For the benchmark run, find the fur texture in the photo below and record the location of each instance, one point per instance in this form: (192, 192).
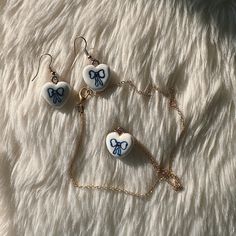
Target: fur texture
(185, 44)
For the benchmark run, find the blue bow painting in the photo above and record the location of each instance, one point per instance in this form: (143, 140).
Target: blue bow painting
(56, 94)
(97, 76)
(118, 146)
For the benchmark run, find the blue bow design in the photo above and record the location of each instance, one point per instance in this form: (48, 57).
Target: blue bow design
(56, 95)
(118, 146)
(97, 76)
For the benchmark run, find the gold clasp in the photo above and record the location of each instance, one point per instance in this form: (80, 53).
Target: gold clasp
(84, 93)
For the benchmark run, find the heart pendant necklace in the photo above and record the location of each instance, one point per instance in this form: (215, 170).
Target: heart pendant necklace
(119, 143)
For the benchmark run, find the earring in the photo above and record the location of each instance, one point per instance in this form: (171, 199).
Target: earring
(55, 93)
(96, 75)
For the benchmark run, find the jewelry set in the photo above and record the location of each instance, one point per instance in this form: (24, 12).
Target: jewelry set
(119, 143)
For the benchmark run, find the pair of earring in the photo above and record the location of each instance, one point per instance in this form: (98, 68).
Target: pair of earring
(56, 92)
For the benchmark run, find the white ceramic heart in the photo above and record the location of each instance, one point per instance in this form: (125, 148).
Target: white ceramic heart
(56, 94)
(119, 145)
(96, 77)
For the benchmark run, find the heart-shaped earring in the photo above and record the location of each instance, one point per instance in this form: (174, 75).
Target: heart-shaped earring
(96, 75)
(119, 143)
(55, 93)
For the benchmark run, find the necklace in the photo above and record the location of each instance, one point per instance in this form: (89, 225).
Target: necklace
(160, 173)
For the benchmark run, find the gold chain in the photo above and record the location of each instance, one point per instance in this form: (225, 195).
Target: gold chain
(161, 173)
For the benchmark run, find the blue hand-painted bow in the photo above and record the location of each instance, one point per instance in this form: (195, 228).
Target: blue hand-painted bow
(56, 94)
(118, 146)
(97, 76)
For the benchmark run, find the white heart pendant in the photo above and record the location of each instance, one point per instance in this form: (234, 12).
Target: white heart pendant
(96, 77)
(119, 143)
(56, 94)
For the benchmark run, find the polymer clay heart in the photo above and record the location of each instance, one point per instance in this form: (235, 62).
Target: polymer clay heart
(119, 144)
(56, 94)
(96, 77)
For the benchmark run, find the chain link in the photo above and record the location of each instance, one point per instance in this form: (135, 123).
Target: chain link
(160, 173)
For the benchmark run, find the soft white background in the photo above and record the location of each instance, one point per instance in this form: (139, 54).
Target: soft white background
(186, 44)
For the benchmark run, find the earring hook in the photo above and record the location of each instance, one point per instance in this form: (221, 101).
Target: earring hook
(85, 47)
(93, 60)
(50, 68)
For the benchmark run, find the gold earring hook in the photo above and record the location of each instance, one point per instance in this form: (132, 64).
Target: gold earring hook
(85, 47)
(50, 68)
(90, 58)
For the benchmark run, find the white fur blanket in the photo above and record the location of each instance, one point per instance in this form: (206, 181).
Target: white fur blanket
(185, 44)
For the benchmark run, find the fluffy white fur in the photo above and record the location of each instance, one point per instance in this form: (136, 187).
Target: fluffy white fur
(185, 44)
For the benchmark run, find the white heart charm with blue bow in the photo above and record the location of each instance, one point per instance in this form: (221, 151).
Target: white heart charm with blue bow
(96, 77)
(119, 143)
(56, 94)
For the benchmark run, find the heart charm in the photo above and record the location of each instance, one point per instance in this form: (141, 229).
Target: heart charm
(56, 94)
(119, 143)
(96, 78)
